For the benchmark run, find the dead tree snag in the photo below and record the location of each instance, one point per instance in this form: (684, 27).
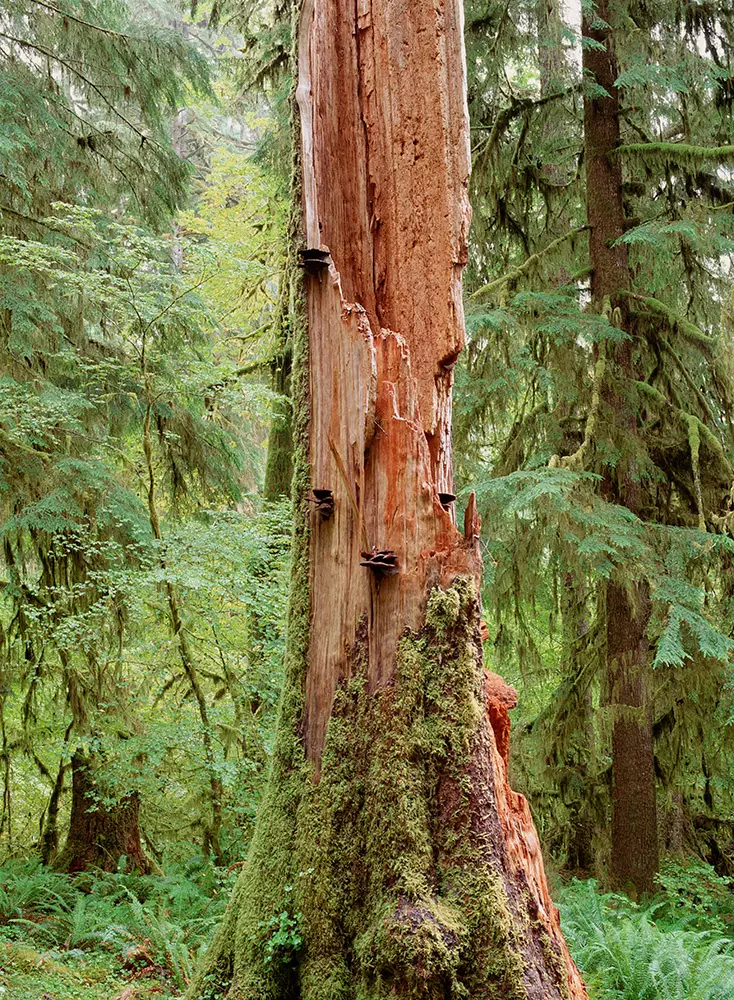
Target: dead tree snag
(390, 846)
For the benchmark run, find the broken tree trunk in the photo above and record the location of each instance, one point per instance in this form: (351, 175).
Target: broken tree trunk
(391, 857)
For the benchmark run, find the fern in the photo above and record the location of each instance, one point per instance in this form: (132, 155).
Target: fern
(624, 953)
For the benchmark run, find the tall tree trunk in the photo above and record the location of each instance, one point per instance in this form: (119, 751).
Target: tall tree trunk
(49, 844)
(551, 57)
(99, 834)
(634, 822)
(391, 858)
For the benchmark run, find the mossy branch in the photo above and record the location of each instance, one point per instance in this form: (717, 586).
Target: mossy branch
(577, 461)
(677, 322)
(689, 381)
(694, 443)
(652, 393)
(528, 265)
(679, 151)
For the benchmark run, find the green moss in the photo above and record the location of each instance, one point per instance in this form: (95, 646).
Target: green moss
(26, 974)
(677, 323)
(676, 153)
(381, 859)
(398, 900)
(279, 465)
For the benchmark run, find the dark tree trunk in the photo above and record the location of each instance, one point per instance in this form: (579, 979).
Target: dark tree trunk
(634, 811)
(634, 824)
(100, 834)
(391, 857)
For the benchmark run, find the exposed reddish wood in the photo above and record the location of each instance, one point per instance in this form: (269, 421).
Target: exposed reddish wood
(521, 853)
(386, 165)
(499, 699)
(363, 408)
(385, 169)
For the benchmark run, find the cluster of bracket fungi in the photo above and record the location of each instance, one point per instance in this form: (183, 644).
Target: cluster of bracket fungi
(324, 500)
(382, 562)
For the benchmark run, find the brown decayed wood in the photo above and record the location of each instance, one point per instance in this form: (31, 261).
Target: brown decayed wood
(385, 168)
(520, 848)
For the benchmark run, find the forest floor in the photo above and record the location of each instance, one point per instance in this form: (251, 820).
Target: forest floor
(129, 937)
(27, 974)
(102, 936)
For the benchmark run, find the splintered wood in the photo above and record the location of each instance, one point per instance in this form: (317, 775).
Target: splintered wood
(386, 160)
(385, 172)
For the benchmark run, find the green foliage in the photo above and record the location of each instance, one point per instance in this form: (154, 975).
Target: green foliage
(539, 393)
(281, 937)
(171, 916)
(629, 952)
(90, 937)
(147, 925)
(98, 118)
(695, 896)
(28, 886)
(132, 424)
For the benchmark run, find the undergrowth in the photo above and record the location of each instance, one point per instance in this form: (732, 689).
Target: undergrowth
(676, 946)
(138, 929)
(119, 936)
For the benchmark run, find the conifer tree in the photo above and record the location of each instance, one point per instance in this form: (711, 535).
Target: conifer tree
(626, 190)
(391, 856)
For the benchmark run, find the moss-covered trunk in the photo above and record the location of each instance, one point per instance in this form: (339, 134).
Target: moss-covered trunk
(391, 858)
(49, 842)
(634, 820)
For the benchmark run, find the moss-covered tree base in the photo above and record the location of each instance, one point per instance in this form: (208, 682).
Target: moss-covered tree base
(391, 875)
